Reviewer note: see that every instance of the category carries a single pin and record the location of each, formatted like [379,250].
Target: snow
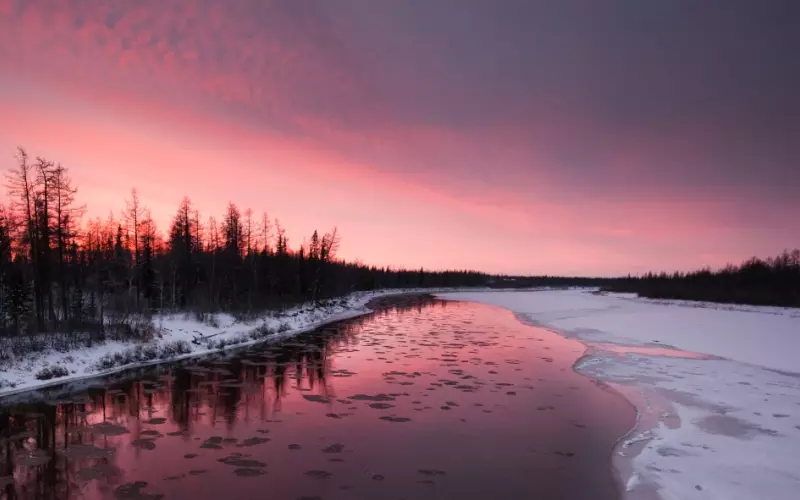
[19,375]
[717,419]
[765,336]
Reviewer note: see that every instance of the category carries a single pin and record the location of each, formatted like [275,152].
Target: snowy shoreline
[19,375]
[715,388]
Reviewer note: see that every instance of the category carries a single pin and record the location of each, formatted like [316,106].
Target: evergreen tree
[59,273]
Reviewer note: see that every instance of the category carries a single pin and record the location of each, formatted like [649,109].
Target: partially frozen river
[441,400]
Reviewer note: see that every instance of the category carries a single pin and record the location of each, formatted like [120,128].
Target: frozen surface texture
[176,337]
[717,388]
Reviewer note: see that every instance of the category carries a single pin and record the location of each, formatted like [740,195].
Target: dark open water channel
[443,400]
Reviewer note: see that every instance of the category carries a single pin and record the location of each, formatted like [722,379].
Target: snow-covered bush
[215,344]
[143,353]
[261,332]
[54,371]
[173,349]
[211,320]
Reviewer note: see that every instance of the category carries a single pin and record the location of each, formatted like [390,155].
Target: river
[438,400]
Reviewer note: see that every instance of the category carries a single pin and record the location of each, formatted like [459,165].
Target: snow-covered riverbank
[174,341]
[724,424]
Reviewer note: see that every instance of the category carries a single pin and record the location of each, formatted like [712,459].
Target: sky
[591,137]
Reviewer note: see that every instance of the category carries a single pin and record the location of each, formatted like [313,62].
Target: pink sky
[322,118]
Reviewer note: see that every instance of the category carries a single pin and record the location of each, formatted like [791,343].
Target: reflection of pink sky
[651,350]
[475,345]
[122,108]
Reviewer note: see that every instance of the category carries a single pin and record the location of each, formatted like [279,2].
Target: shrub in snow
[109,361]
[148,353]
[105,362]
[143,327]
[245,316]
[143,353]
[261,332]
[49,372]
[173,349]
[239,338]
[123,326]
[284,327]
[216,344]
[211,320]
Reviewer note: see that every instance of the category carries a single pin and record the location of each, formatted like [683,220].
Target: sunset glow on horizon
[520,137]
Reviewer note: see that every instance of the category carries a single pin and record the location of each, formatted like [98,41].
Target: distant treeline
[774,281]
[59,272]
[547,281]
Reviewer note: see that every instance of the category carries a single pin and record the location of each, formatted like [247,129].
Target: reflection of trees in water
[307,359]
[253,383]
[416,303]
[179,401]
[49,429]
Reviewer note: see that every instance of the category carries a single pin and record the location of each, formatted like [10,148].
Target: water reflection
[609,350]
[433,400]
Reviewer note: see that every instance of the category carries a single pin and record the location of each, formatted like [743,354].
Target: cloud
[575,91]
[266,57]
[587,124]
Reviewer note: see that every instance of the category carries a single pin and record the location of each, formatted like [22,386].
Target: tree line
[545,281]
[774,281]
[59,272]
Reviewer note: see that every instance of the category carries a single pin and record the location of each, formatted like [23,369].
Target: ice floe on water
[716,386]
[444,400]
[177,337]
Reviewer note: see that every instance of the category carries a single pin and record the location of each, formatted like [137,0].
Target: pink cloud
[220,102]
[502,233]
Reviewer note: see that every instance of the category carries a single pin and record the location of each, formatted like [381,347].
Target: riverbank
[429,399]
[715,386]
[181,336]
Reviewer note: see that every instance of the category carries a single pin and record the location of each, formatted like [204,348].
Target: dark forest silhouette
[774,281]
[60,273]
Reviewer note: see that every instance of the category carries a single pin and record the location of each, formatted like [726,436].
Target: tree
[57,270]
[43,203]
[232,230]
[121,261]
[329,246]
[197,236]
[21,187]
[213,247]
[265,230]
[281,244]
[133,215]
[248,231]
[148,245]
[250,261]
[14,299]
[67,216]
[182,247]
[314,248]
